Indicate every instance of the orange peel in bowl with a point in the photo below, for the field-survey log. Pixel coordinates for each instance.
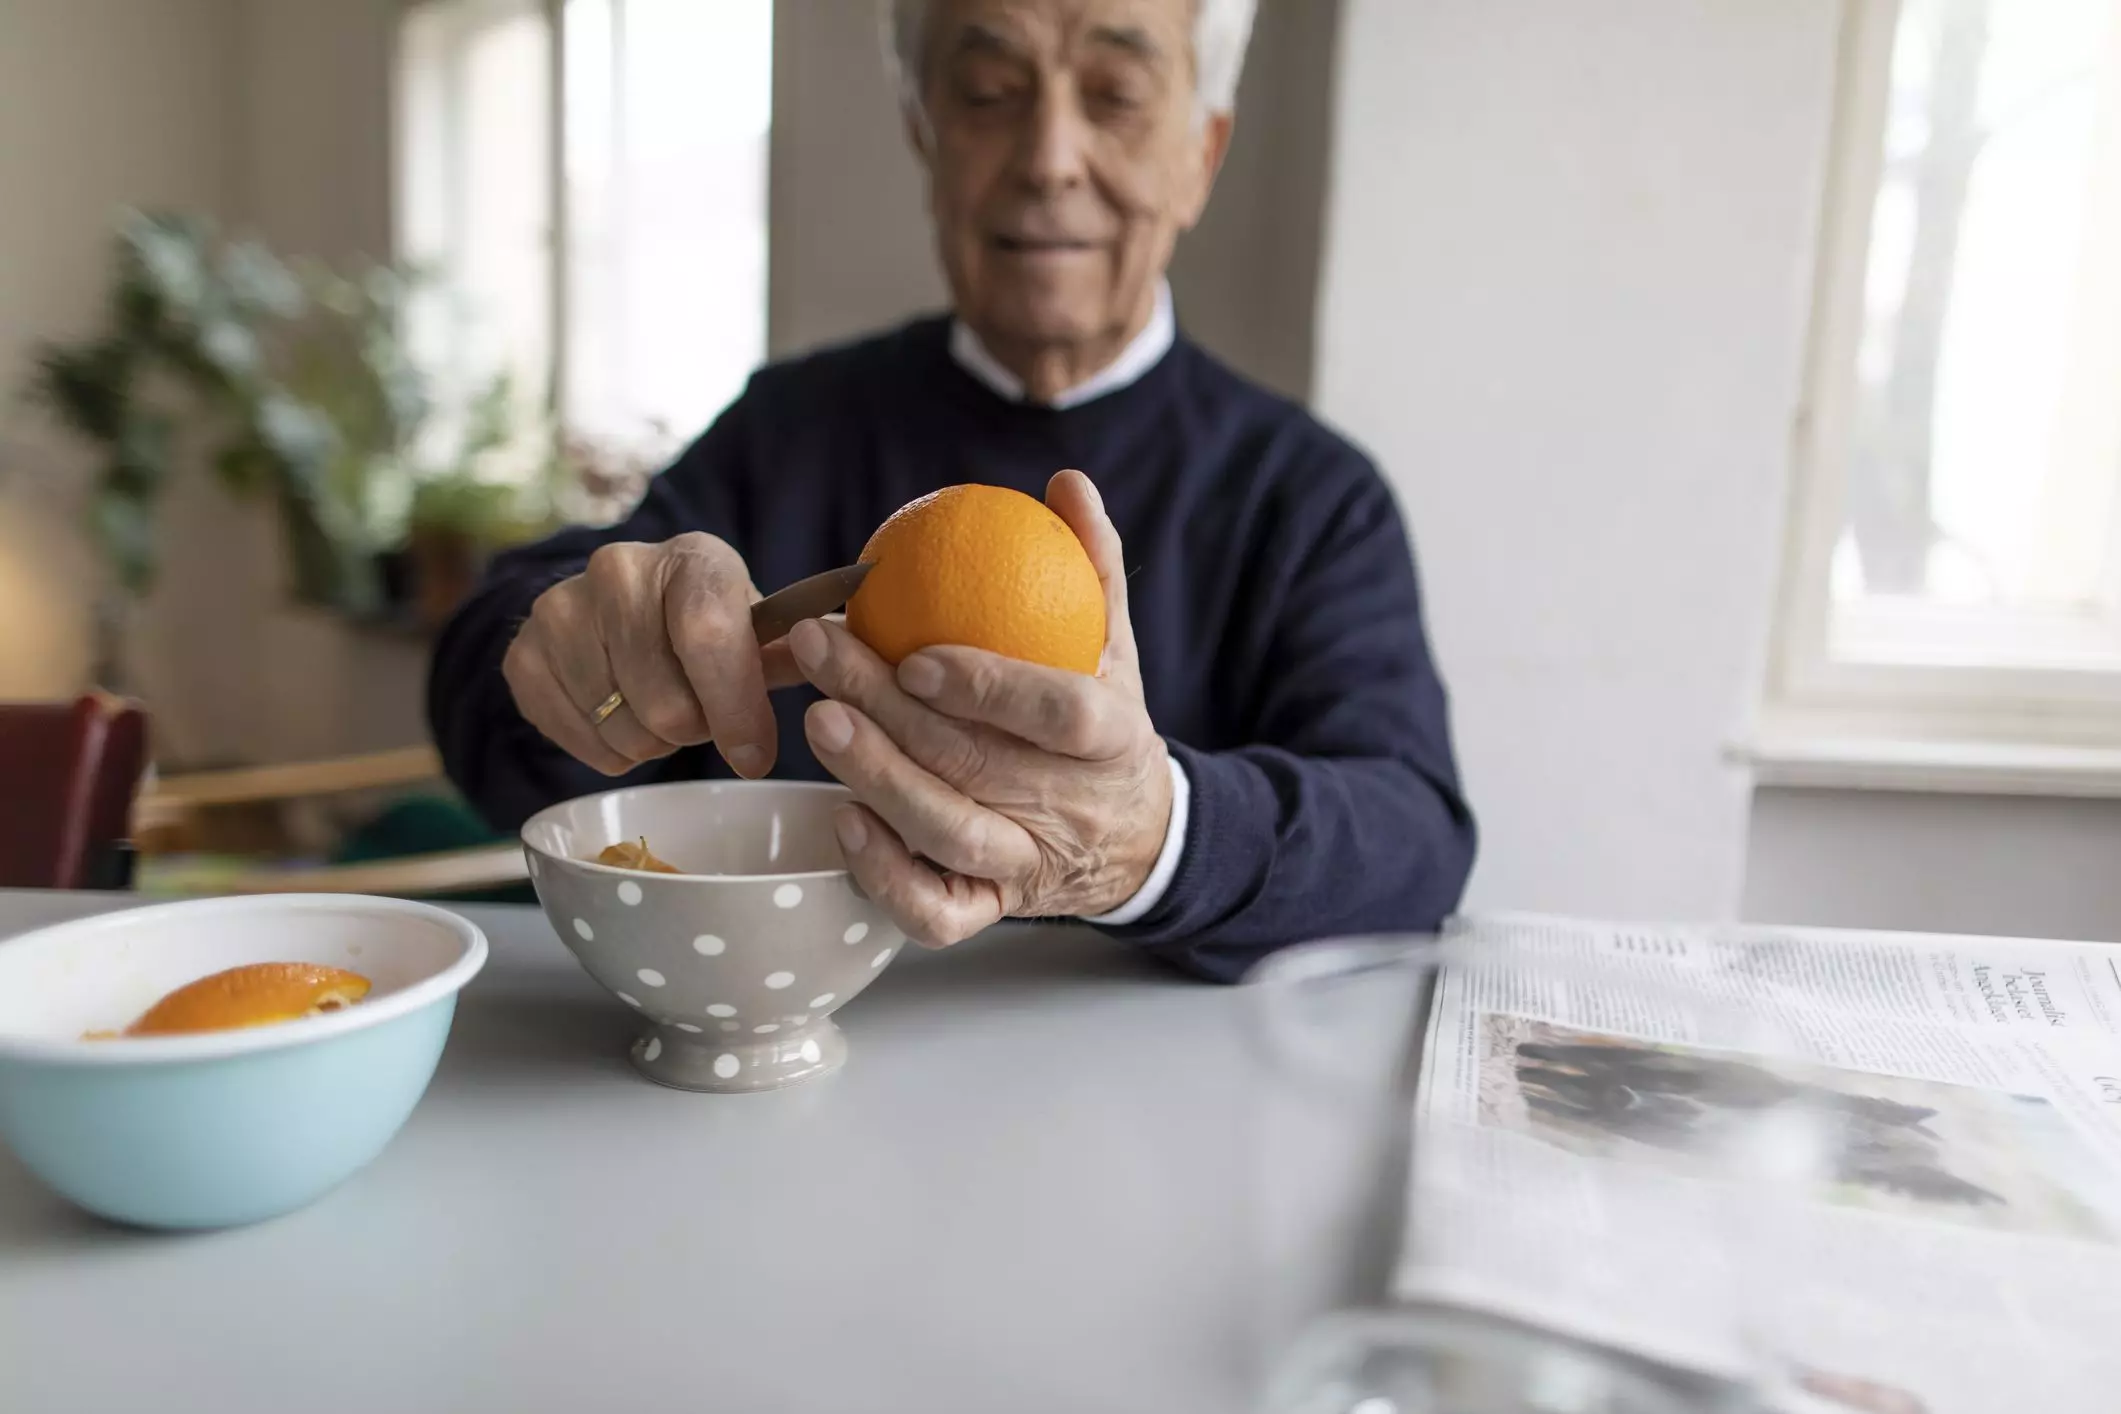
(628, 854)
(260, 994)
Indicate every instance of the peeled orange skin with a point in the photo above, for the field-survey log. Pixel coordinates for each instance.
(982, 567)
(260, 994)
(628, 855)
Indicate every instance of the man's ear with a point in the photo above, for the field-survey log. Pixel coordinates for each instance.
(1214, 147)
(920, 135)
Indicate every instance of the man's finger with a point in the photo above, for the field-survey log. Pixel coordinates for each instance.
(1075, 499)
(575, 653)
(707, 615)
(1056, 711)
(779, 665)
(845, 669)
(545, 704)
(934, 910)
(934, 819)
(647, 671)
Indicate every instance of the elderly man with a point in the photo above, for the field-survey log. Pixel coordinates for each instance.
(1265, 755)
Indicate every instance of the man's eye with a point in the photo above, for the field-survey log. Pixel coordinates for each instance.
(985, 88)
(1115, 99)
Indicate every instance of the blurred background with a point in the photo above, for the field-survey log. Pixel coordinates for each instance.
(1749, 371)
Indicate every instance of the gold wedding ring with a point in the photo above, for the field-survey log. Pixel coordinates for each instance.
(605, 708)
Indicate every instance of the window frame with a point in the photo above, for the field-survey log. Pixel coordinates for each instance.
(408, 133)
(1921, 712)
(427, 145)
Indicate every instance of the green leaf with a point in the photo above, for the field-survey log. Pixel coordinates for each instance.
(244, 467)
(229, 349)
(297, 436)
(122, 523)
(326, 571)
(258, 283)
(169, 254)
(141, 455)
(87, 387)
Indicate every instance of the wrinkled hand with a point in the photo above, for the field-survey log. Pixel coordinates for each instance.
(990, 788)
(669, 625)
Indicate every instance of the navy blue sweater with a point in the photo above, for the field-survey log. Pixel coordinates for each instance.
(1272, 589)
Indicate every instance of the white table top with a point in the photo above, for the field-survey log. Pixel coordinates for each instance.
(1027, 1190)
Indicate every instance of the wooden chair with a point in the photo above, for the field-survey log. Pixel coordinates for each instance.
(68, 774)
(173, 811)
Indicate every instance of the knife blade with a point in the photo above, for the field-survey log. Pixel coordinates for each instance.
(811, 598)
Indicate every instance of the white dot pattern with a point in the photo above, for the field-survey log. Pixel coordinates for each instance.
(780, 981)
(629, 1001)
(881, 958)
(788, 896)
(688, 1026)
(819, 1003)
(766, 1028)
(708, 945)
(726, 1066)
(854, 934)
(653, 1049)
(650, 977)
(583, 931)
(629, 893)
(721, 1009)
(811, 1053)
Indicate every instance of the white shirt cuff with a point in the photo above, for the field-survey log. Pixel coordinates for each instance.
(1165, 869)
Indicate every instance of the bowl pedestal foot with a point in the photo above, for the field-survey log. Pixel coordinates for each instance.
(732, 1065)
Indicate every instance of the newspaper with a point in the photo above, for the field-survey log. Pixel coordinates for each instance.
(1950, 1242)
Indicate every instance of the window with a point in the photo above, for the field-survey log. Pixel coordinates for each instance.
(586, 179)
(1954, 573)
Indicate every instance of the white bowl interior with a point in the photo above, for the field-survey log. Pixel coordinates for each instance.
(702, 827)
(102, 973)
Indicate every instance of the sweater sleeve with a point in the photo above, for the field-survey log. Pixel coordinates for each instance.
(1342, 814)
(504, 766)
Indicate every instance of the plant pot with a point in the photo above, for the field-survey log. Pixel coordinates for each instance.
(321, 572)
(446, 566)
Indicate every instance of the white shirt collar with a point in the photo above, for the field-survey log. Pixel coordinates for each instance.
(1139, 356)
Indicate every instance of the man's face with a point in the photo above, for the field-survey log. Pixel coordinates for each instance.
(1064, 159)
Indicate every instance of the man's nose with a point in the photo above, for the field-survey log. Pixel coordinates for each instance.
(1056, 145)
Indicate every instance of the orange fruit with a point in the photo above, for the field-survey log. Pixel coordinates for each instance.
(257, 995)
(984, 567)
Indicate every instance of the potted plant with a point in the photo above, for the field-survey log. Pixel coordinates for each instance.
(295, 385)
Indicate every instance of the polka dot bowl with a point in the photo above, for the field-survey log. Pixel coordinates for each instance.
(738, 963)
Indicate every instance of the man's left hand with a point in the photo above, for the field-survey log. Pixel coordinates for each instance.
(990, 788)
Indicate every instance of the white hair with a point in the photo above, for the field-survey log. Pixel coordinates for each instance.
(1221, 31)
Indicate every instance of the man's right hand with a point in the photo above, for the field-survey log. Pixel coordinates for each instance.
(669, 626)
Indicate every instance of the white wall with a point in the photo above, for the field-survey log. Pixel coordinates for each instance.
(1564, 297)
(847, 245)
(1936, 863)
(103, 103)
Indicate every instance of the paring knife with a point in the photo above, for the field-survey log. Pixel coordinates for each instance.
(811, 598)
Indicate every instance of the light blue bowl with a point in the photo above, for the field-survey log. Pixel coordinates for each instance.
(228, 1127)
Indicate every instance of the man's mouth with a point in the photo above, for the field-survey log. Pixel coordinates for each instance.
(1041, 245)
